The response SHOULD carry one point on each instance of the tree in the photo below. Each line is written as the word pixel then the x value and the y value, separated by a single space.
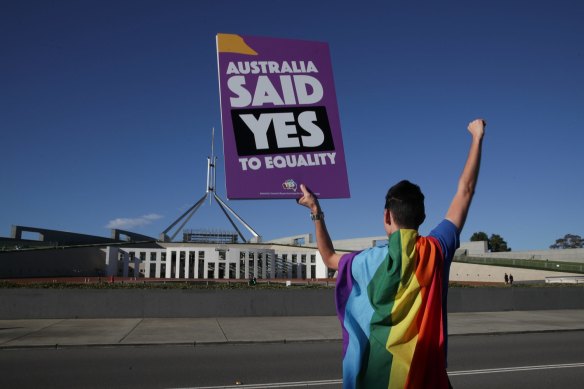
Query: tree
pixel 479 237
pixel 495 243
pixel 498 244
pixel 569 241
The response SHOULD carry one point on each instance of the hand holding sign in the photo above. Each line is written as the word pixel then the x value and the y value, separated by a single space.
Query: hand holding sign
pixel 309 200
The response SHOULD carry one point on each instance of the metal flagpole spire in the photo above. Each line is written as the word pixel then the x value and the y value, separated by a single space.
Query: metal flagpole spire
pixel 211 164
pixel 210 189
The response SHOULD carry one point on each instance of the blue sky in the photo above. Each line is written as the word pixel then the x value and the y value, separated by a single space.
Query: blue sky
pixel 106 110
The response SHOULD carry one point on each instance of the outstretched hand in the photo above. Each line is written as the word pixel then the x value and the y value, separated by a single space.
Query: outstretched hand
pixel 467 182
pixel 477 128
pixel 308 199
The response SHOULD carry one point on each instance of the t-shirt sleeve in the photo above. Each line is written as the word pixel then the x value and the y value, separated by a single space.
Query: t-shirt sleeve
pixel 449 237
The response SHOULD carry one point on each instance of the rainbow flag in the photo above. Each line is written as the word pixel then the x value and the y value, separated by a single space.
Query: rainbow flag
pixel 389 302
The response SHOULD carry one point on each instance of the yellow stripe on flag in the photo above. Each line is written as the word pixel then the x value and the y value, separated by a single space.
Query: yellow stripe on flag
pixel 404 332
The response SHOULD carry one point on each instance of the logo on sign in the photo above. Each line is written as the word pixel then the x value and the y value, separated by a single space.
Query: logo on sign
pixel 289 184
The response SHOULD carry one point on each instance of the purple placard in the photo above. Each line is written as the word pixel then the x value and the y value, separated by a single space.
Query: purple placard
pixel 280 118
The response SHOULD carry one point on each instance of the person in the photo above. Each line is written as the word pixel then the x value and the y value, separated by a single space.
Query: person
pixel 506 279
pixel 510 279
pixel 391 300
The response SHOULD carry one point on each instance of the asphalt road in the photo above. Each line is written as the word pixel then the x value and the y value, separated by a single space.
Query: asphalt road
pixel 534 360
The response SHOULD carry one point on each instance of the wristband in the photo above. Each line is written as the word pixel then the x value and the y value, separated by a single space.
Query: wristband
pixel 318 216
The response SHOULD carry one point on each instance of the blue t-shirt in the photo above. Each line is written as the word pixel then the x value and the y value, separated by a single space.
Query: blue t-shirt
pixel 449 237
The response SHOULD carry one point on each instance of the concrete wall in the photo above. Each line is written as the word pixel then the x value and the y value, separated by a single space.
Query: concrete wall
pixel 568 255
pixel 474 248
pixel 292 240
pixel 64 238
pixel 70 262
pixel 514 299
pixel 487 273
pixel 82 303
pixel 87 303
pixel 359 243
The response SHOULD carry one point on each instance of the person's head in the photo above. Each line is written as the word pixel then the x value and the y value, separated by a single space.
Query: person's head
pixel 404 206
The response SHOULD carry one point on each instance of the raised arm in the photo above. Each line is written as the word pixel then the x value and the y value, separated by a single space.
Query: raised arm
pixel 323 240
pixel 468 179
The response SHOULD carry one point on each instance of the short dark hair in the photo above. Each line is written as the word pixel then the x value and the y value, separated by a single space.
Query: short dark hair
pixel 405 201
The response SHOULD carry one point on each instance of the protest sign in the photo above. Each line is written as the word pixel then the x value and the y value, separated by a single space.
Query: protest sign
pixel 280 118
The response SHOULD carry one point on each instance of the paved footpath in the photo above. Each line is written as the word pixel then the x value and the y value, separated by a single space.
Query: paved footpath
pixel 156 331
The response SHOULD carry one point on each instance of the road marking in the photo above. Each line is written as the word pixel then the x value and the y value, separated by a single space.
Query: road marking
pixel 512 369
pixel 340 381
pixel 273 385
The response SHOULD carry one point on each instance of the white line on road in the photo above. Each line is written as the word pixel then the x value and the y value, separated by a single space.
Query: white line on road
pixel 339 382
pixel 512 369
pixel 273 385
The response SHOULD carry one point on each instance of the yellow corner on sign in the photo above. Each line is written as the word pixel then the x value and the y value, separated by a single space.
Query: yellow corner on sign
pixel 231 43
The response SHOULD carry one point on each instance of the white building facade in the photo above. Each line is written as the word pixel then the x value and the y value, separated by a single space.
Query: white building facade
pixel 196 261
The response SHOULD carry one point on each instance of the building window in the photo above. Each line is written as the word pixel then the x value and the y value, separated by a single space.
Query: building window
pixel 163 265
pixel 250 262
pixel 201 268
pixel 173 269
pixel 191 265
pixel 232 270
pixel 211 270
pixel 268 261
pixel 182 264
pixel 242 265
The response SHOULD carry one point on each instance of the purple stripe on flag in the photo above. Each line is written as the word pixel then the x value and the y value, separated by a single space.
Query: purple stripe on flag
pixel 343 291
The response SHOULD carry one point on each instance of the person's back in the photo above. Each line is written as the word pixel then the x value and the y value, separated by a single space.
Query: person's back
pixel 391 301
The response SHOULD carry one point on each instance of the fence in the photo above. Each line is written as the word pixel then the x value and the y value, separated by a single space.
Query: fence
pixel 529 263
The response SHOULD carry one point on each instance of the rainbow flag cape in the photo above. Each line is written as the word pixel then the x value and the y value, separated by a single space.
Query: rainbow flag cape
pixel 389 302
